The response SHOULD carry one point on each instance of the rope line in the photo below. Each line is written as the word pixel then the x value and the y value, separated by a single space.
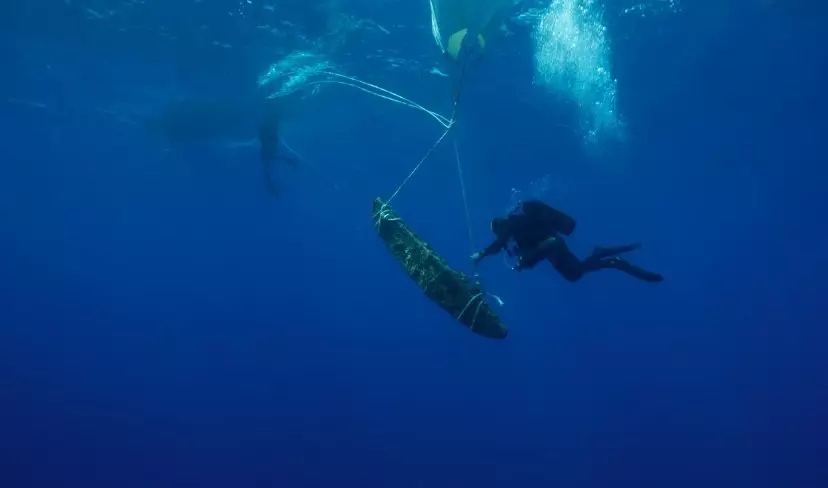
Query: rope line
pixel 423 160
pixel 463 192
pixel 396 97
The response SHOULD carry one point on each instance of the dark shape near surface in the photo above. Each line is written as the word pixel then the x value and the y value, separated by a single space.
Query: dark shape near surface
pixel 450 289
pixel 269 133
pixel 199 121
pixel 269 142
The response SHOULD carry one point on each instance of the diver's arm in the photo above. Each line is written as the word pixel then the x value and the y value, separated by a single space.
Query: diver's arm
pixel 495 247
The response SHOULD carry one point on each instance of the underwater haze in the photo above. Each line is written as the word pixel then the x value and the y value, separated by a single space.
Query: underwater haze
pixel 167 321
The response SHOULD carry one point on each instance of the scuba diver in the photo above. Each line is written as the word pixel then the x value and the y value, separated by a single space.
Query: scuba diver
pixel 535 228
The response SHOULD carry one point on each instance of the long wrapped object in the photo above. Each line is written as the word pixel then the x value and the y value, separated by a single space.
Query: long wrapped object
pixel 450 289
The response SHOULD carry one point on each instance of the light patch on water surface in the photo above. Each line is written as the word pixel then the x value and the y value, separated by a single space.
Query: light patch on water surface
pixel 293 73
pixel 653 8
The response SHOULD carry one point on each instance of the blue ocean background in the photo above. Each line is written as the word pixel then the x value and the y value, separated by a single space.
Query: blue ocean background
pixel 166 322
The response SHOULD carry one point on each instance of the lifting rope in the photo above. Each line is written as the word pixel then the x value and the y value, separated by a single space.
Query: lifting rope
pixel 456 92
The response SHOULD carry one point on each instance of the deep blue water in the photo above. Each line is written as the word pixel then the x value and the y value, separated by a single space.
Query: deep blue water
pixel 165 322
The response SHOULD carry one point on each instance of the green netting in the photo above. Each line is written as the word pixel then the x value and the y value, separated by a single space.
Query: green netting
pixel 450 289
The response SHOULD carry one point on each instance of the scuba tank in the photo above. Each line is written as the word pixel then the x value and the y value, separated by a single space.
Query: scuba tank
pixel 554 219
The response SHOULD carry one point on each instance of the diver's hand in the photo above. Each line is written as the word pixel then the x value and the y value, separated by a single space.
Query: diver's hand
pixel 477 257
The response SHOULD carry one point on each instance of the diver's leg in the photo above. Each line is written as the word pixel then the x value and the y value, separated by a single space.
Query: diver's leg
pixel 608 257
pixel 529 258
pixel 562 259
pixel 606 252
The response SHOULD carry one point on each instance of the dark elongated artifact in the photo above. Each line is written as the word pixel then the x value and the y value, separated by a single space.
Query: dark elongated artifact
pixel 450 289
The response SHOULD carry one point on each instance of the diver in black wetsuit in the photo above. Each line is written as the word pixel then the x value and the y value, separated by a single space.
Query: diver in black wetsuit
pixel 535 228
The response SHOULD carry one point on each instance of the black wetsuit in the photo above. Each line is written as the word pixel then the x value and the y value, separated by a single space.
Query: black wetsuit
pixel 536 227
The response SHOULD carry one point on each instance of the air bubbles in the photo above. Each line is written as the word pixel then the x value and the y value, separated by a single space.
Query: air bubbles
pixel 572 56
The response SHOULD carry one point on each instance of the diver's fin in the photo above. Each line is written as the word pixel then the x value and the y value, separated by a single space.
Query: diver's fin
pixel 607 252
pixel 633 270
